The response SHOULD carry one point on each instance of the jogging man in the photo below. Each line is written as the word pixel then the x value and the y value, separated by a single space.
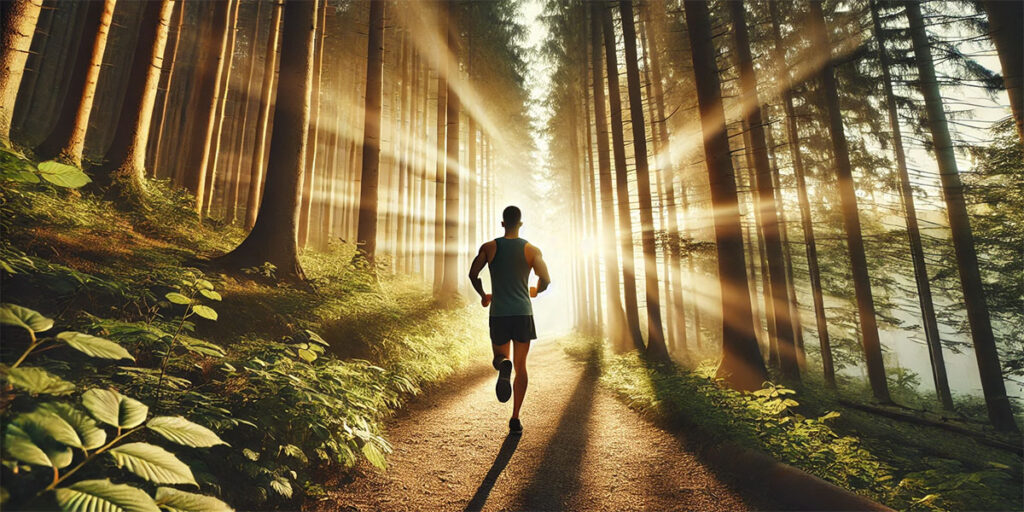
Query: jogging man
pixel 510 260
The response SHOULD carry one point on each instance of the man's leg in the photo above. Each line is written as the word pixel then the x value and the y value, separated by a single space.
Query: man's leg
pixel 522 379
pixel 500 352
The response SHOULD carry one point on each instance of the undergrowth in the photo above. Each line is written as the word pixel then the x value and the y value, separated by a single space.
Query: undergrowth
pixel 296 380
pixel 905 466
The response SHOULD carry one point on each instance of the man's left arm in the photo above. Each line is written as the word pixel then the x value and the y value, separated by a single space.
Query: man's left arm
pixel 474 276
pixel 541 269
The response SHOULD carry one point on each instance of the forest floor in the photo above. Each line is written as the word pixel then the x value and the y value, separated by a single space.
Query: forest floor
pixel 581 449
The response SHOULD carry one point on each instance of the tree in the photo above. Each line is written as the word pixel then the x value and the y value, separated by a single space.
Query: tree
pixel 450 283
pixel 366 237
pixel 169 60
pixel 742 366
pixel 848 205
pixel 751 107
pixel 126 159
pixel 19 25
pixel 263 118
pixel 993 387
pixel 216 137
pixel 66 142
pixel 250 69
pixel 1006 27
pixel 314 133
pixel 439 156
pixel 274 237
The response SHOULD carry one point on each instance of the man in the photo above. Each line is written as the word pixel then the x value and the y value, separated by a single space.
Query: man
pixel 510 260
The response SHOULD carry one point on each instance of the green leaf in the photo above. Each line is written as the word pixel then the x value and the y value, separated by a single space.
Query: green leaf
pixel 28 440
pixel 173 500
pixel 315 338
pixel 307 355
pixel 55 426
pixel 114 409
pixel 13 314
pixel 205 312
pixel 104 496
pixel 202 347
pixel 203 284
pixel 63 175
pixel 88 432
pixel 38 381
pixel 210 294
pixel 282 486
pixel 178 298
pixel 182 431
pixel 93 346
pixel 152 463
pixel 375 456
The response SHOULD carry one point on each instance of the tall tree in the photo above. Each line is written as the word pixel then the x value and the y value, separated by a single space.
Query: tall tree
pixel 19 25
pixel 621 183
pixel 742 365
pixel 274 237
pixel 1006 27
pixel 66 142
pixel 263 118
pixel 216 137
pixel 125 161
pixel 655 334
pixel 314 133
pixel 993 387
pixel 250 69
pixel 439 154
pixel 751 105
pixel 450 283
pixel 160 119
pixel 848 205
pixel 366 236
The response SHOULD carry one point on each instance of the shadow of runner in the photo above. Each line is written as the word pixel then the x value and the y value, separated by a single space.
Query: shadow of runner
pixel 558 473
pixel 504 454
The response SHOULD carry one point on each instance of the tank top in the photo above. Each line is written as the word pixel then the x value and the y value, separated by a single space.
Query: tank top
pixel 510 274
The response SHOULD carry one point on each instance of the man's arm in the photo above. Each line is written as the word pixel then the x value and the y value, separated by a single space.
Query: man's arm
pixel 474 276
pixel 541 269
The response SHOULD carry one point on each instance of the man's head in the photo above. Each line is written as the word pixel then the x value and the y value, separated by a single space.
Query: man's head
pixel 511 218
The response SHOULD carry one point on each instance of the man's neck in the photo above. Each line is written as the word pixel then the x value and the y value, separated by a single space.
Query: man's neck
pixel 512 234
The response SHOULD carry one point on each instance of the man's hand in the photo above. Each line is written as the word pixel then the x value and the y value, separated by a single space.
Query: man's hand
pixel 485 300
pixel 533 291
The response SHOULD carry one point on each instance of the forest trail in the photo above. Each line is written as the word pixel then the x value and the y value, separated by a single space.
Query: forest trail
pixel 581 449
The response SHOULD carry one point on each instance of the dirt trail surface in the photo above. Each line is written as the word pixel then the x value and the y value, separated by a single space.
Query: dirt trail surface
pixel 581 449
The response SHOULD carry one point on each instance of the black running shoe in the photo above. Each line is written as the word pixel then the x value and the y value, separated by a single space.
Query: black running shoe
pixel 504 386
pixel 515 426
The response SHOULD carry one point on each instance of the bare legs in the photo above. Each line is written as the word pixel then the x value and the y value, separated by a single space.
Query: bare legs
pixel 519 363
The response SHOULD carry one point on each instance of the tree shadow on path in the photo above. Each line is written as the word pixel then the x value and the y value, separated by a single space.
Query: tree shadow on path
pixel 504 455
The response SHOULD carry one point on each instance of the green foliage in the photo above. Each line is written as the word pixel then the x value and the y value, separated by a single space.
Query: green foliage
pixel 15 168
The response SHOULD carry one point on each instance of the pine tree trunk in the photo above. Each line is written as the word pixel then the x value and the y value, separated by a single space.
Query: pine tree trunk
pixel 216 137
pixel 19 25
pixel 989 368
pixel 751 106
pixel 793 136
pixel 243 156
pixel 621 183
pixel 309 182
pixel 67 141
pixel 851 221
pixel 592 195
pixel 924 292
pixel 450 283
pixel 274 237
pixel 263 118
pixel 366 236
pixel 655 333
pixel 1006 28
pixel 742 365
pixel 439 158
pixel 165 83
pixel 126 158
pixel 617 329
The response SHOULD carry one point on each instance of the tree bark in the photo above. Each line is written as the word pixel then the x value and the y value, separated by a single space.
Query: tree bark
pixel 1006 28
pixel 274 237
pixel 366 236
pixel 309 182
pixel 439 158
pixel 243 156
pixel 216 138
pixel 263 118
pixel 19 26
pixel 989 368
pixel 160 118
pixel 450 283
pixel 742 366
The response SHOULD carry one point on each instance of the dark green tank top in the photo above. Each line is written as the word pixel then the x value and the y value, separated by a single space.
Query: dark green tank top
pixel 510 275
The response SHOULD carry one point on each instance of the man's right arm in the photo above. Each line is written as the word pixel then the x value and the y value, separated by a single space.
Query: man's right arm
pixel 474 275
pixel 541 269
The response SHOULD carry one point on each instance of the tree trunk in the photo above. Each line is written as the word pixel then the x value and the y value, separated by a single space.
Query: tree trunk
pixel 999 411
pixel 126 158
pixel 742 365
pixel 366 236
pixel 309 182
pixel 19 26
pixel 66 142
pixel 160 118
pixel 439 158
pixel 263 118
pixel 751 106
pixel 216 138
pixel 274 237
pixel 232 206
pixel 616 316
pixel 621 183
pixel 851 221
pixel 1006 28
pixel 592 195
pixel 450 283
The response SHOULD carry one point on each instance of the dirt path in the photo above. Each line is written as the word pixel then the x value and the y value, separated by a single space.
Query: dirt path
pixel 581 449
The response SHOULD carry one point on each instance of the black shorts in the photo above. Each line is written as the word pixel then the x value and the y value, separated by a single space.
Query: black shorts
pixel 517 328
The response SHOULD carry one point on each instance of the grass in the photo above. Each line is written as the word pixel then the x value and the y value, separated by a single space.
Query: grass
pixel 905 466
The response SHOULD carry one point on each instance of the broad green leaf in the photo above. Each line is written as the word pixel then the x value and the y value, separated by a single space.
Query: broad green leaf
pixel 13 314
pixel 307 355
pixel 178 298
pixel 203 284
pixel 210 294
pixel 205 312
pixel 63 175
pixel 114 409
pixel 104 496
pixel 55 426
pixel 19 172
pixel 28 441
pixel 89 433
pixel 38 381
pixel 282 486
pixel 173 500
pixel 202 347
pixel 374 455
pixel 182 431
pixel 152 463
pixel 315 338
pixel 94 346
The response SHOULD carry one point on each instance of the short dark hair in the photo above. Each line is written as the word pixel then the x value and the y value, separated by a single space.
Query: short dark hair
pixel 511 216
